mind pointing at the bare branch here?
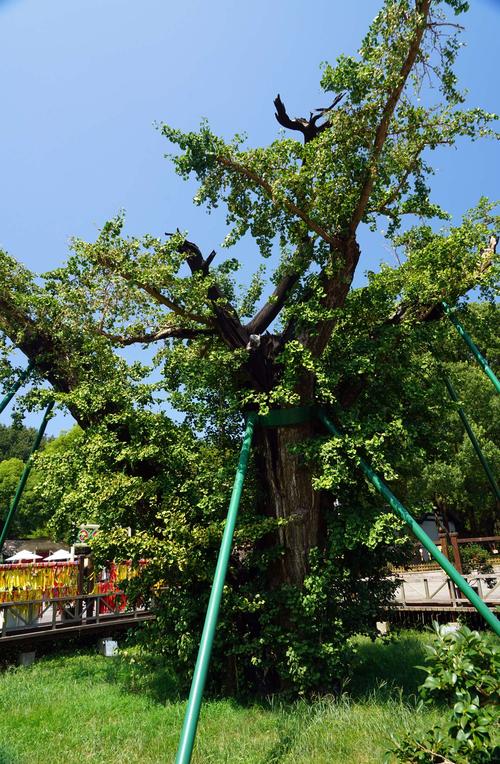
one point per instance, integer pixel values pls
(169, 332)
(433, 24)
(268, 313)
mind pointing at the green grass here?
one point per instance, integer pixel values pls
(85, 708)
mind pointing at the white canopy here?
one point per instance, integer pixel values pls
(24, 554)
(61, 554)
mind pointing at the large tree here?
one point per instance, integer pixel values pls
(315, 340)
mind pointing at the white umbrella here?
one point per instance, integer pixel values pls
(61, 554)
(24, 554)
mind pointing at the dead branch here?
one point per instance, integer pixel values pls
(308, 127)
(169, 332)
(266, 315)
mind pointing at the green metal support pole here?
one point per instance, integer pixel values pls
(8, 397)
(473, 439)
(424, 539)
(24, 477)
(472, 346)
(188, 733)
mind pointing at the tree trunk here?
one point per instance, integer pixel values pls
(288, 494)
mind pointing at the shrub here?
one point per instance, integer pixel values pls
(462, 669)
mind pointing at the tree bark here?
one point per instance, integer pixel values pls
(289, 496)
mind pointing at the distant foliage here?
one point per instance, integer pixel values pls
(35, 509)
(16, 441)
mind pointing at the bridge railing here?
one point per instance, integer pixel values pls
(56, 613)
(415, 591)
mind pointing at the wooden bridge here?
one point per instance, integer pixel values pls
(55, 617)
(419, 597)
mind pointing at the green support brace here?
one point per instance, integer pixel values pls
(422, 536)
(473, 439)
(188, 733)
(13, 390)
(24, 476)
(472, 346)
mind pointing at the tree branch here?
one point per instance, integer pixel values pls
(155, 293)
(309, 128)
(434, 311)
(392, 197)
(231, 164)
(227, 322)
(268, 313)
(169, 332)
(422, 7)
(46, 352)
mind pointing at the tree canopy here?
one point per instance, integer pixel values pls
(314, 543)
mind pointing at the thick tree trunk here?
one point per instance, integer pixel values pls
(288, 495)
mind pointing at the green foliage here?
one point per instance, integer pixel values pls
(324, 177)
(475, 558)
(463, 670)
(450, 478)
(256, 647)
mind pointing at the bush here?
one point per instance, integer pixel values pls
(462, 669)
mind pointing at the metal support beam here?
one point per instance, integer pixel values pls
(13, 390)
(472, 346)
(188, 733)
(472, 438)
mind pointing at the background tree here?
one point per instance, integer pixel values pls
(313, 544)
(444, 476)
(16, 441)
(34, 511)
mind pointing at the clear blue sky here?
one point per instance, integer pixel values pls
(83, 81)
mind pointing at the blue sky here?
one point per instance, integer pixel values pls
(84, 81)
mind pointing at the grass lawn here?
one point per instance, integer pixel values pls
(82, 707)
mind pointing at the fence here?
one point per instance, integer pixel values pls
(491, 542)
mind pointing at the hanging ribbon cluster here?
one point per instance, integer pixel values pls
(110, 580)
(41, 580)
